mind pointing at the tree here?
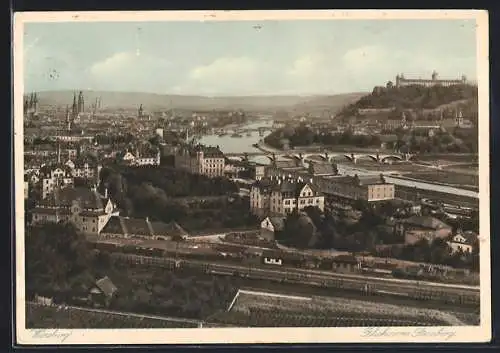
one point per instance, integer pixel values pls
(57, 258)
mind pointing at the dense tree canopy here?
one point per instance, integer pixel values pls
(415, 97)
(57, 259)
(167, 194)
(338, 230)
(305, 136)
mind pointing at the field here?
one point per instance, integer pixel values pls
(39, 316)
(448, 177)
(408, 193)
(449, 158)
(259, 309)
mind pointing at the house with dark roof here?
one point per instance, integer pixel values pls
(346, 264)
(55, 176)
(102, 292)
(280, 196)
(416, 228)
(125, 227)
(367, 188)
(200, 159)
(85, 167)
(321, 169)
(85, 208)
(463, 241)
(270, 225)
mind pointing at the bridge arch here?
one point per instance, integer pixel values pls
(390, 157)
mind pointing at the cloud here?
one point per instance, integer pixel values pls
(130, 69)
(307, 65)
(127, 61)
(229, 67)
(227, 76)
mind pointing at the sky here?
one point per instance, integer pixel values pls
(238, 58)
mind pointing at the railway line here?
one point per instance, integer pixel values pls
(370, 285)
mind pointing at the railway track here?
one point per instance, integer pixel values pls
(370, 285)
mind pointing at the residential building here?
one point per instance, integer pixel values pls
(463, 241)
(85, 208)
(199, 159)
(102, 292)
(320, 169)
(257, 171)
(146, 155)
(290, 168)
(54, 176)
(346, 264)
(270, 225)
(366, 188)
(416, 228)
(280, 196)
(85, 168)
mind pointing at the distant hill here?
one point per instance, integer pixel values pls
(327, 104)
(151, 101)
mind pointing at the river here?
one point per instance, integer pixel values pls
(243, 144)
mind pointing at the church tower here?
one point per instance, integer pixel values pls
(81, 103)
(74, 108)
(35, 103)
(69, 120)
(140, 112)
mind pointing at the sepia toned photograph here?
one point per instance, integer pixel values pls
(252, 177)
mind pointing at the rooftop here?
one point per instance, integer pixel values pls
(426, 222)
(88, 199)
(142, 227)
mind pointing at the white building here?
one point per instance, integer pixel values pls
(85, 208)
(281, 196)
(52, 176)
(463, 241)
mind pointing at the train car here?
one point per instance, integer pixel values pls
(272, 261)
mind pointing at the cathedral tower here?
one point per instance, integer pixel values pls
(81, 103)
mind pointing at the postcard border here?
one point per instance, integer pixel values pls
(480, 333)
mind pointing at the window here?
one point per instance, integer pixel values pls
(302, 202)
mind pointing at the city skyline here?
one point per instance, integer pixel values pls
(249, 58)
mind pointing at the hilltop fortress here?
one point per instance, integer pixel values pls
(402, 81)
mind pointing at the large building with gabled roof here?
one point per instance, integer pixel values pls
(280, 196)
(125, 227)
(88, 210)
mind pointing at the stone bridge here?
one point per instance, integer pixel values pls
(328, 156)
(351, 157)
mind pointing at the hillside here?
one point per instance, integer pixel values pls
(415, 98)
(330, 104)
(153, 101)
